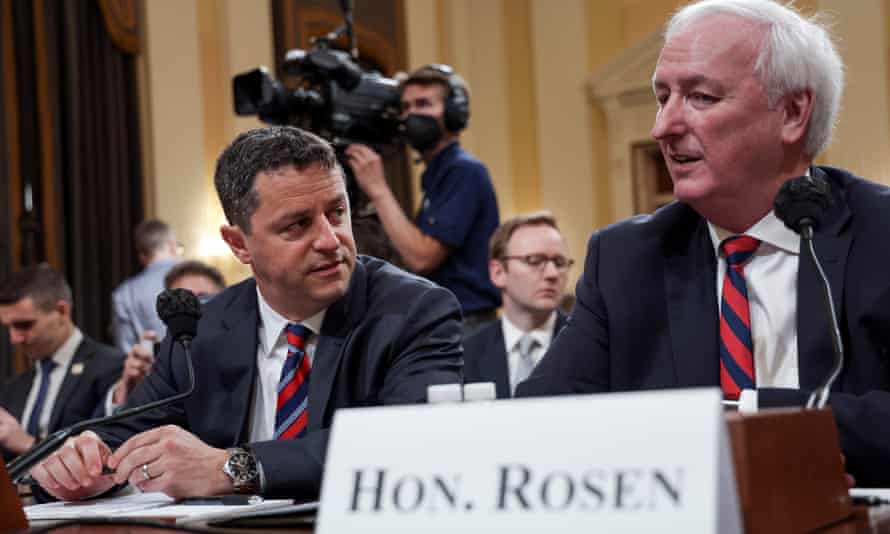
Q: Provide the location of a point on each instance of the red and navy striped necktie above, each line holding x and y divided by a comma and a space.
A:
736, 344
291, 414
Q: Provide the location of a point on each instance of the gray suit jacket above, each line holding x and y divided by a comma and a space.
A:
133, 304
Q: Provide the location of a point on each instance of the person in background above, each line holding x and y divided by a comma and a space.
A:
133, 302
70, 372
204, 281
447, 240
529, 262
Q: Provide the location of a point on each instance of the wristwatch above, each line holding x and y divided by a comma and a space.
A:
241, 467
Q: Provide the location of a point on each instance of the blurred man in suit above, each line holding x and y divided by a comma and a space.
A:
713, 289
133, 302
71, 372
198, 277
316, 329
204, 281
529, 262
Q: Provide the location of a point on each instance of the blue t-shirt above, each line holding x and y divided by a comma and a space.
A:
460, 209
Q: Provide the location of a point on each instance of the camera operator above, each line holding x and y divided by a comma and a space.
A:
448, 241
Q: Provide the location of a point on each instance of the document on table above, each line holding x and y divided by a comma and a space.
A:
145, 506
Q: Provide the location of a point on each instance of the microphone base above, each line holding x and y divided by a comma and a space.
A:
789, 470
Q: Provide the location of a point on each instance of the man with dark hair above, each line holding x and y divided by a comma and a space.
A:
447, 240
358, 330
133, 302
198, 277
529, 263
71, 372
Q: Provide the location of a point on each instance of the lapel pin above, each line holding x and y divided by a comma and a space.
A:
77, 368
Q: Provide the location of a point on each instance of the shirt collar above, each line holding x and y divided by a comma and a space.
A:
272, 324
768, 230
512, 333
433, 172
65, 353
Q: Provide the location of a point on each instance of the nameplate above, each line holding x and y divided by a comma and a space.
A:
624, 462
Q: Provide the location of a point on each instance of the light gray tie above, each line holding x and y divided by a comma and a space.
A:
525, 365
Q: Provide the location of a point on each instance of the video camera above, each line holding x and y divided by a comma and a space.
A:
333, 97
330, 95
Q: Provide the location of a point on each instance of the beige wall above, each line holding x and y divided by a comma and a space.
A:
193, 48
862, 136
528, 63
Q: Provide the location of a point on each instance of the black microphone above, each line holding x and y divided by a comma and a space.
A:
180, 310
800, 204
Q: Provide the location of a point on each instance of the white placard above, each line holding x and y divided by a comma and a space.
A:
625, 462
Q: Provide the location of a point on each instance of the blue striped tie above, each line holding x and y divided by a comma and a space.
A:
291, 414
736, 344
46, 367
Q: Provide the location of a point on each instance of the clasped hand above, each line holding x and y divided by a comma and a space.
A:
166, 459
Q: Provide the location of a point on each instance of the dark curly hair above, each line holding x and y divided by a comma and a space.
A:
261, 150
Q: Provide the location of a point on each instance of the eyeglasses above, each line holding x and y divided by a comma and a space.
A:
539, 261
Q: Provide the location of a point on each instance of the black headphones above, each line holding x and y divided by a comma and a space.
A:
457, 101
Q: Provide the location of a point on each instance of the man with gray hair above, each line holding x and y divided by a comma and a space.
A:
133, 302
713, 289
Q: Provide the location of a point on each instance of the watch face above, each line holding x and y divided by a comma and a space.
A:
241, 466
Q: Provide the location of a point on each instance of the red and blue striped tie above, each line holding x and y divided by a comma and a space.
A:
736, 345
291, 414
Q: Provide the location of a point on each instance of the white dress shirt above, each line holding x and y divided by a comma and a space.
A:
771, 280
512, 334
63, 356
271, 353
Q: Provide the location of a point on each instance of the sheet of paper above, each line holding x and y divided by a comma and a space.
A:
104, 507
190, 513
881, 493
145, 506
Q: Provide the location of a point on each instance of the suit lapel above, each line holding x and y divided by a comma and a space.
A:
69, 383
494, 361
339, 322
235, 366
18, 395
690, 279
832, 244
561, 320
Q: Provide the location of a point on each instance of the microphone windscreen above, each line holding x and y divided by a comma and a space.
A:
180, 310
802, 200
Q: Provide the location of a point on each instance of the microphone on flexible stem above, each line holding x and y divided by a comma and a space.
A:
180, 310
800, 204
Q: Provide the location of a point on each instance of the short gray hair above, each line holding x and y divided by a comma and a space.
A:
797, 53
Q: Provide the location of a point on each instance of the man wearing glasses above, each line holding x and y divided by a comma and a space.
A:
529, 263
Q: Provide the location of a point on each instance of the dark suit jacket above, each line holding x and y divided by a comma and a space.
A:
79, 394
384, 342
485, 356
646, 316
